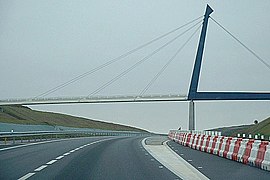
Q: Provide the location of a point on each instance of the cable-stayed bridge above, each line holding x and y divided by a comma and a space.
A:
129, 158
193, 93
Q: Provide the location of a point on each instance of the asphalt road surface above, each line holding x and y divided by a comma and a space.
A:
83, 158
215, 167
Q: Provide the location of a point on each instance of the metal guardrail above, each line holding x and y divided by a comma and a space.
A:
8, 138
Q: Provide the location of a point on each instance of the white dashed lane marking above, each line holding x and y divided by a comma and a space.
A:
40, 168
59, 157
51, 162
26, 176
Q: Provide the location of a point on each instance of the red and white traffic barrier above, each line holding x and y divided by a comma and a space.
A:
192, 140
266, 162
213, 144
208, 139
196, 142
218, 145
254, 152
236, 149
248, 151
231, 148
199, 147
261, 153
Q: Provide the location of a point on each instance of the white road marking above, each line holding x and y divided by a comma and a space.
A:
72, 151
199, 167
43, 142
40, 168
189, 160
26, 176
51, 162
59, 157
24, 145
160, 167
171, 160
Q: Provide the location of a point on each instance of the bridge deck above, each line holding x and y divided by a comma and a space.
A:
96, 99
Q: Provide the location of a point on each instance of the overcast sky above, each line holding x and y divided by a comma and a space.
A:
46, 43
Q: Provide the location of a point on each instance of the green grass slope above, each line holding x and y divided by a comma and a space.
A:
25, 115
261, 128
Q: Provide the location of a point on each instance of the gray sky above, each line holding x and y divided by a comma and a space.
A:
46, 43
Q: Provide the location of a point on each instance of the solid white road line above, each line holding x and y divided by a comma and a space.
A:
40, 168
26, 176
51, 162
43, 142
24, 145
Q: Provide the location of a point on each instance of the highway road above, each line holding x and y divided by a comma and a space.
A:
83, 158
111, 158
215, 167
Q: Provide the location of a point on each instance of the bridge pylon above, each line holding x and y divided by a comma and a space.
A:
191, 121
196, 69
